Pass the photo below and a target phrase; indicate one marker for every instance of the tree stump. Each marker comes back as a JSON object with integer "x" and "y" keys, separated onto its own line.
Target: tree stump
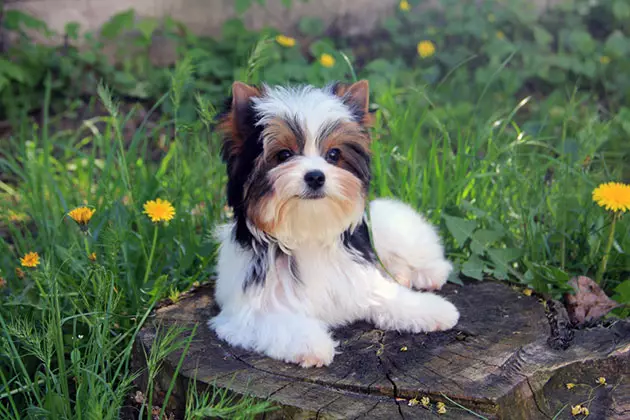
{"x": 510, "y": 357}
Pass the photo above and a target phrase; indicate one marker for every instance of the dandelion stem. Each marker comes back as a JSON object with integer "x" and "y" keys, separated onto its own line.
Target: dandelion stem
{"x": 87, "y": 246}
{"x": 611, "y": 238}
{"x": 146, "y": 274}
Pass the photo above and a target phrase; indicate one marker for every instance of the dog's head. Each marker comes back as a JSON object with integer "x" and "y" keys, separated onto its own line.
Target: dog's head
{"x": 298, "y": 159}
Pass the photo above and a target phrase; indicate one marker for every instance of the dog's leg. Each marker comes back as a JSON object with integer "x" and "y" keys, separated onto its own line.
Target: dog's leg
{"x": 408, "y": 245}
{"x": 394, "y": 307}
{"x": 287, "y": 336}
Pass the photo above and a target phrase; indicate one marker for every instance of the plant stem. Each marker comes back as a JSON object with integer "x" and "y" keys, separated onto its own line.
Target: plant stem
{"x": 611, "y": 238}
{"x": 87, "y": 246}
{"x": 146, "y": 273}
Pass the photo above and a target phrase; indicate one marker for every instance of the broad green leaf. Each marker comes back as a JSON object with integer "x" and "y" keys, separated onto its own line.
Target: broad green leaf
{"x": 72, "y": 30}
{"x": 623, "y": 292}
{"x": 617, "y": 45}
{"x": 241, "y": 6}
{"x": 503, "y": 256}
{"x": 461, "y": 229}
{"x": 582, "y": 41}
{"x": 118, "y": 23}
{"x": 542, "y": 36}
{"x": 473, "y": 267}
{"x": 147, "y": 27}
{"x": 14, "y": 19}
{"x": 483, "y": 238}
{"x": 11, "y": 71}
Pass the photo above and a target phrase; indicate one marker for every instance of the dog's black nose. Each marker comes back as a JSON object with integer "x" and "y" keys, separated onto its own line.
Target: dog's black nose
{"x": 315, "y": 179}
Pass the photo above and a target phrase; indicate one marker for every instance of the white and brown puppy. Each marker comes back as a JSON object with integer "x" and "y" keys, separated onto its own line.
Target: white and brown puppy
{"x": 297, "y": 258}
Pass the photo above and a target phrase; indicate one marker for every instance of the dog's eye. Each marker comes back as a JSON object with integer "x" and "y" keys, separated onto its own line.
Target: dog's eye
{"x": 333, "y": 155}
{"x": 284, "y": 155}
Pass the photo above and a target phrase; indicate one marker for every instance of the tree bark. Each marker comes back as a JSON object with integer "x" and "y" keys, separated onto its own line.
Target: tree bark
{"x": 510, "y": 357}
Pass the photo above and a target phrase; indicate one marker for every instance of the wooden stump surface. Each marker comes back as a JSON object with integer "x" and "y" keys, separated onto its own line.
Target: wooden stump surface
{"x": 497, "y": 362}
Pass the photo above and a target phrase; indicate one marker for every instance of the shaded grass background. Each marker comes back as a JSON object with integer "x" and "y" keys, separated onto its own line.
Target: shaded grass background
{"x": 509, "y": 187}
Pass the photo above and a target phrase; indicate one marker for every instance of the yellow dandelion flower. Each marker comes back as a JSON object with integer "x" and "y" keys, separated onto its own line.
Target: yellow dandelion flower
{"x": 413, "y": 402}
{"x": 92, "y": 256}
{"x": 425, "y": 401}
{"x": 404, "y": 6}
{"x": 30, "y": 260}
{"x": 441, "y": 408}
{"x": 426, "y": 49}
{"x": 585, "y": 411}
{"x": 527, "y": 292}
{"x": 601, "y": 380}
{"x": 576, "y": 409}
{"x": 19, "y": 273}
{"x": 159, "y": 210}
{"x": 570, "y": 385}
{"x": 500, "y": 35}
{"x": 613, "y": 196}
{"x": 604, "y": 59}
{"x": 285, "y": 41}
{"x": 327, "y": 60}
{"x": 404, "y": 348}
{"x": 82, "y": 215}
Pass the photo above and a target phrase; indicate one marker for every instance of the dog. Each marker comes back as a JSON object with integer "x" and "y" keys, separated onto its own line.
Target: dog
{"x": 303, "y": 252}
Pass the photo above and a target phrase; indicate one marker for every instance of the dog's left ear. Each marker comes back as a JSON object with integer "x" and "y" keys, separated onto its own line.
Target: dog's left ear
{"x": 357, "y": 97}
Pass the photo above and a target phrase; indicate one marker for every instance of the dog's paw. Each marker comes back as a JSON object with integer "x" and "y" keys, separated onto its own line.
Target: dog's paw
{"x": 440, "y": 315}
{"x": 432, "y": 313}
{"x": 431, "y": 276}
{"x": 321, "y": 355}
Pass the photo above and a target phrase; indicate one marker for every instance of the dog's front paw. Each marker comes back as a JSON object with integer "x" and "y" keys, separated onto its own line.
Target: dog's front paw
{"x": 433, "y": 313}
{"x": 440, "y": 316}
{"x": 318, "y": 355}
{"x": 431, "y": 276}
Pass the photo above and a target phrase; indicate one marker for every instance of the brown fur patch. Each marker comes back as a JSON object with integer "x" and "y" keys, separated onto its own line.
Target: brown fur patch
{"x": 229, "y": 125}
{"x": 354, "y": 144}
{"x": 279, "y": 136}
{"x": 357, "y": 95}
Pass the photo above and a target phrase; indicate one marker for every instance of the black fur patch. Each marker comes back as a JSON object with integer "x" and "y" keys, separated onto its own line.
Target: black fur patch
{"x": 239, "y": 168}
{"x": 258, "y": 267}
{"x": 359, "y": 243}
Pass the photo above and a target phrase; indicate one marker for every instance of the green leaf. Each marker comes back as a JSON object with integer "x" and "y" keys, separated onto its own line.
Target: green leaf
{"x": 503, "y": 256}
{"x": 11, "y": 71}
{"x": 72, "y": 30}
{"x": 617, "y": 45}
{"x": 118, "y": 23}
{"x": 623, "y": 292}
{"x": 461, "y": 229}
{"x": 311, "y": 26}
{"x": 621, "y": 9}
{"x": 14, "y": 19}
{"x": 147, "y": 27}
{"x": 483, "y": 238}
{"x": 241, "y": 6}
{"x": 287, "y": 3}
{"x": 473, "y": 268}
{"x": 582, "y": 41}
{"x": 542, "y": 36}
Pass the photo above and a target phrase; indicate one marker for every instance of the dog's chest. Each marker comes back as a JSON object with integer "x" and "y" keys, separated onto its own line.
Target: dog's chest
{"x": 331, "y": 282}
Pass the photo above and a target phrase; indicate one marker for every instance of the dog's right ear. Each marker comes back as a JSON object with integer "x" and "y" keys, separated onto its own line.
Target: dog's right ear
{"x": 239, "y": 120}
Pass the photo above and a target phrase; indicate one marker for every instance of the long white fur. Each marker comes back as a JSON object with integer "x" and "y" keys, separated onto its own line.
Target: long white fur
{"x": 290, "y": 319}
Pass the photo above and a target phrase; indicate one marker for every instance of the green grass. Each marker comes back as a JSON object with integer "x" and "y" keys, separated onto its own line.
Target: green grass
{"x": 509, "y": 186}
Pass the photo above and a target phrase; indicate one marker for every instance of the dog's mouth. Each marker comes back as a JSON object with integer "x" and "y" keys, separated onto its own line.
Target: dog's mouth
{"x": 312, "y": 195}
